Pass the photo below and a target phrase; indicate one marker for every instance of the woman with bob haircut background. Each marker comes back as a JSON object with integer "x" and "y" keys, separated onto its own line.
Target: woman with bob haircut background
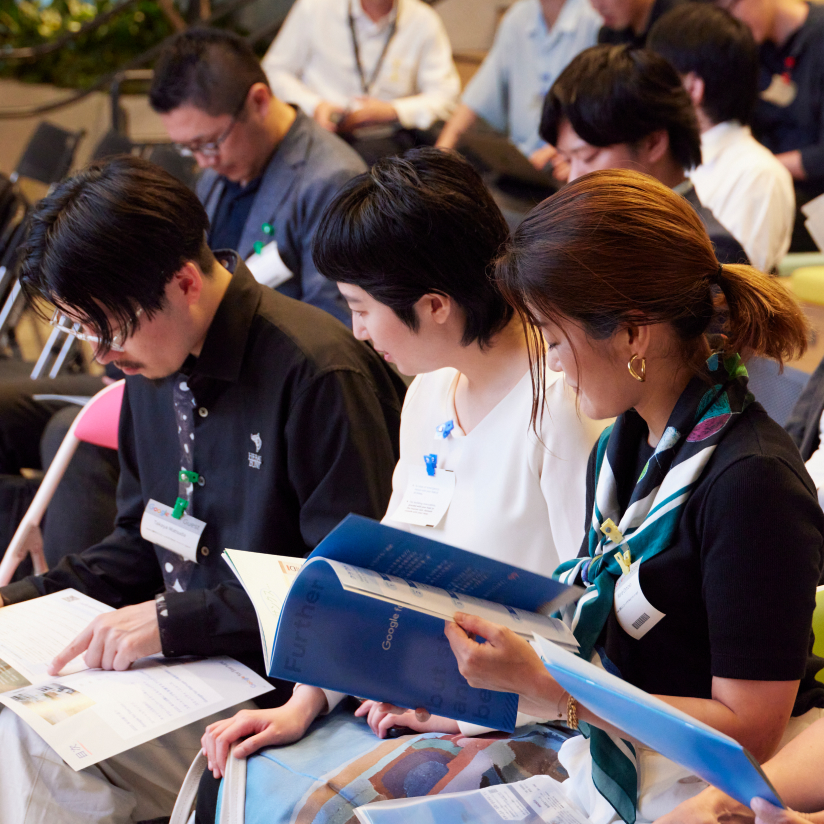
{"x": 700, "y": 503}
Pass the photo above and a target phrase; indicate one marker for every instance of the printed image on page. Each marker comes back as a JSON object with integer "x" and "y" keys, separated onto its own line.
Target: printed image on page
{"x": 95, "y": 714}
{"x": 443, "y": 604}
{"x": 536, "y": 800}
{"x": 33, "y": 632}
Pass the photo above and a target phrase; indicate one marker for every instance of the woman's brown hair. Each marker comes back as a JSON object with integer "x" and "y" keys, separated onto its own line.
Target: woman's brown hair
{"x": 617, "y": 248}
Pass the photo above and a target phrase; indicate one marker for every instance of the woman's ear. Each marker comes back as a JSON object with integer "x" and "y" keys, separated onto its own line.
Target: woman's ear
{"x": 436, "y": 308}
{"x": 638, "y": 339}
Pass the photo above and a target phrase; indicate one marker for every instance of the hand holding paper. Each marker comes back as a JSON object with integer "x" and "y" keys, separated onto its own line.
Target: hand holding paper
{"x": 505, "y": 663}
{"x": 115, "y": 640}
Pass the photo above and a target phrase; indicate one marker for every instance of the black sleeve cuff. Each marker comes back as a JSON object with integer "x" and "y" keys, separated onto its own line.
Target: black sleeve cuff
{"x": 19, "y": 591}
{"x": 182, "y": 628}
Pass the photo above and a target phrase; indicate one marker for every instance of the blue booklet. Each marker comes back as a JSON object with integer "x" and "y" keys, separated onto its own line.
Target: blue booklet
{"x": 364, "y": 615}
{"x": 715, "y": 757}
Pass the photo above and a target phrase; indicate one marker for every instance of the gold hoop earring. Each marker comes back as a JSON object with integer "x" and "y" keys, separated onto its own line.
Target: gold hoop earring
{"x": 642, "y": 362}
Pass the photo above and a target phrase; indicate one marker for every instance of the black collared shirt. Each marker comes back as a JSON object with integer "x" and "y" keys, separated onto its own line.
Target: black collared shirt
{"x": 296, "y": 425}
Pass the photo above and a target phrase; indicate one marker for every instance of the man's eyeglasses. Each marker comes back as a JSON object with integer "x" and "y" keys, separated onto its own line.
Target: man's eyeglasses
{"x": 70, "y": 327}
{"x": 212, "y": 148}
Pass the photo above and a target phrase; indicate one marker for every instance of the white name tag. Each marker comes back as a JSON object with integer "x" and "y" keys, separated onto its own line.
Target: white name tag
{"x": 636, "y": 615}
{"x": 781, "y": 91}
{"x": 427, "y": 497}
{"x": 179, "y": 536}
{"x": 268, "y": 266}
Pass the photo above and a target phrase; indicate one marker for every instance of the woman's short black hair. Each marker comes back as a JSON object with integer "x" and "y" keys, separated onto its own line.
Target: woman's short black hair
{"x": 702, "y": 38}
{"x": 105, "y": 242}
{"x": 414, "y": 225}
{"x": 619, "y": 94}
{"x": 209, "y": 69}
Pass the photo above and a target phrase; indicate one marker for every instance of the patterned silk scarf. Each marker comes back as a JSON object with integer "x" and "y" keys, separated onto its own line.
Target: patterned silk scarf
{"x": 702, "y": 416}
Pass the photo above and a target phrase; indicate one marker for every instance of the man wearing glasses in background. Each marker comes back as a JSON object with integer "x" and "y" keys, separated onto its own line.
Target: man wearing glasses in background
{"x": 269, "y": 169}
{"x": 269, "y": 172}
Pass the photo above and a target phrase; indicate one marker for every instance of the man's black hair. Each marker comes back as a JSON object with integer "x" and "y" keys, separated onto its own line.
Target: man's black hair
{"x": 702, "y": 38}
{"x": 619, "y": 94}
{"x": 209, "y": 69}
{"x": 414, "y": 225}
{"x": 105, "y": 243}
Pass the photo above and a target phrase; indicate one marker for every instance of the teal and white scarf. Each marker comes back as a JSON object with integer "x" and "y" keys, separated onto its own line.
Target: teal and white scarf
{"x": 701, "y": 417}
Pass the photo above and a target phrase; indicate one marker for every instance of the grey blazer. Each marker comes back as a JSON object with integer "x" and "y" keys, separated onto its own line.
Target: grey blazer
{"x": 306, "y": 171}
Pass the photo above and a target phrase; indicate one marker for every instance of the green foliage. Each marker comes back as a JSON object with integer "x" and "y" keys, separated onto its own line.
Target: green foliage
{"x": 138, "y": 27}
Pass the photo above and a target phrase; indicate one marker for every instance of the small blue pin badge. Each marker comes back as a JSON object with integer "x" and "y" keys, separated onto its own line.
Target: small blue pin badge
{"x": 444, "y": 429}
{"x": 431, "y": 462}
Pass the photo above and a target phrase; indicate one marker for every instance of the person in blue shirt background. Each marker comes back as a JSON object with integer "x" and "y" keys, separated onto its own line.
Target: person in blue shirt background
{"x": 533, "y": 45}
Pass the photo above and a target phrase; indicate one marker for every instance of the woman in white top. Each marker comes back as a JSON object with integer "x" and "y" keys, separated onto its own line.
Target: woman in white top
{"x": 410, "y": 245}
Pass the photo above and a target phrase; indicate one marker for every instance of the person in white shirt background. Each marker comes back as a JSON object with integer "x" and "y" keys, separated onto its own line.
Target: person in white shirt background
{"x": 535, "y": 41}
{"x": 357, "y": 63}
{"x": 431, "y": 309}
{"x": 747, "y": 188}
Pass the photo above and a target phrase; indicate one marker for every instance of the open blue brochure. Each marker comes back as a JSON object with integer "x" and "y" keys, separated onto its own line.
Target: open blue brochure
{"x": 364, "y": 615}
{"x": 710, "y": 754}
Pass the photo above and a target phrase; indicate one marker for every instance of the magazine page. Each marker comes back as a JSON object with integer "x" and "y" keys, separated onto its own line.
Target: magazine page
{"x": 367, "y": 544}
{"x": 536, "y": 800}
{"x": 442, "y": 604}
{"x": 33, "y": 632}
{"x": 266, "y": 579}
{"x": 359, "y": 645}
{"x": 94, "y": 714}
{"x": 710, "y": 754}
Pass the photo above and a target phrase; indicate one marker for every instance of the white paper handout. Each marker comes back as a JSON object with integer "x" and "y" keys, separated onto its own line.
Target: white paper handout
{"x": 33, "y": 632}
{"x": 90, "y": 714}
{"x": 814, "y": 212}
{"x": 537, "y": 800}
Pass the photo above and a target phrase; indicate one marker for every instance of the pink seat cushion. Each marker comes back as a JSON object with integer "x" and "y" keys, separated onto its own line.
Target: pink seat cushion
{"x": 98, "y": 421}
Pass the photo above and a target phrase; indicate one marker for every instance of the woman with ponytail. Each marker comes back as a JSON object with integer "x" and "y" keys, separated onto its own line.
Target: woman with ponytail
{"x": 701, "y": 511}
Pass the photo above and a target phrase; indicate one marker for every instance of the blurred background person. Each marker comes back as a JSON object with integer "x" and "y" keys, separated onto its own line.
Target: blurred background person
{"x": 742, "y": 182}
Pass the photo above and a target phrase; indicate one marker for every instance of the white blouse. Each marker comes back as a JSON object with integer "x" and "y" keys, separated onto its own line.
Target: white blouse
{"x": 517, "y": 499}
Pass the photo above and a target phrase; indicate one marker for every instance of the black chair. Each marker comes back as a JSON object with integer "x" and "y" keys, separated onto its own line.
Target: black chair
{"x": 112, "y": 143}
{"x": 49, "y": 154}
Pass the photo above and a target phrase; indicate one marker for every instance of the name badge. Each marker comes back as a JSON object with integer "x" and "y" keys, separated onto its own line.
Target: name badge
{"x": 635, "y": 614}
{"x": 180, "y": 536}
{"x": 268, "y": 267}
{"x": 781, "y": 91}
{"x": 427, "y": 497}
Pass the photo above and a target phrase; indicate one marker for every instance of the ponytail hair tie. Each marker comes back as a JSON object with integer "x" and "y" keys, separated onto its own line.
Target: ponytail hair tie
{"x": 719, "y": 273}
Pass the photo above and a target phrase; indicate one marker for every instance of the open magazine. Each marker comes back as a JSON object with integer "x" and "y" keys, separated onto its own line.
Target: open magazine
{"x": 87, "y": 715}
{"x": 364, "y": 615}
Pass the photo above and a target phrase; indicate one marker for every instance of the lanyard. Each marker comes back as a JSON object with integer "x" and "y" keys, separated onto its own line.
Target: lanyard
{"x": 789, "y": 65}
{"x": 367, "y": 87}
